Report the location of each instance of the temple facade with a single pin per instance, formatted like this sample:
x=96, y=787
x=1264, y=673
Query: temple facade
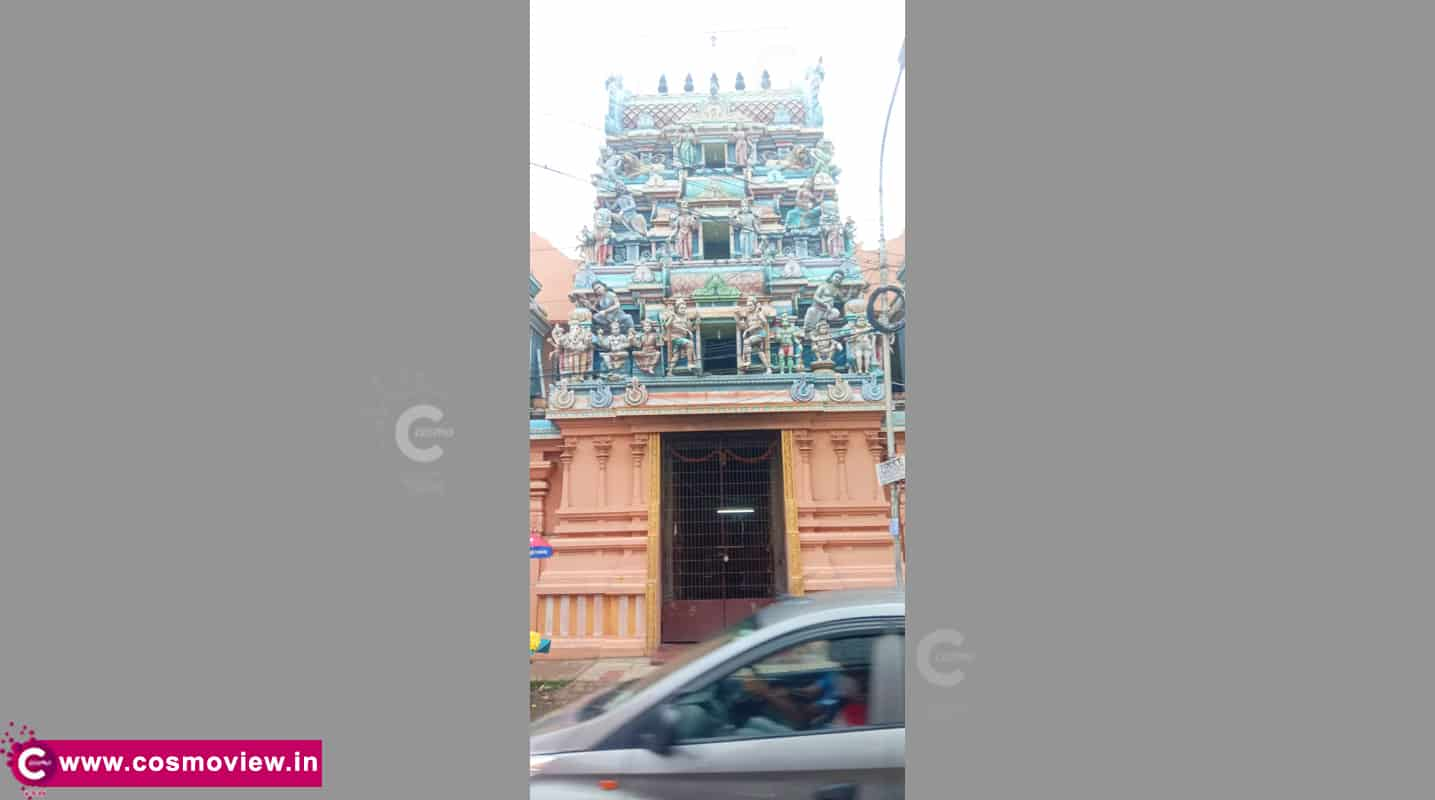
x=709, y=416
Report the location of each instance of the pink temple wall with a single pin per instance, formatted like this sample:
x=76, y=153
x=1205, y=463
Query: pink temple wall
x=589, y=496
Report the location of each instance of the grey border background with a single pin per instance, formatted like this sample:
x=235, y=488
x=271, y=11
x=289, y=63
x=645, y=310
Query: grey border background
x=1170, y=489
x=222, y=224
x=1170, y=466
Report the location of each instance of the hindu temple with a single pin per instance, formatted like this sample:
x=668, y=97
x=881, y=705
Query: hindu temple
x=708, y=406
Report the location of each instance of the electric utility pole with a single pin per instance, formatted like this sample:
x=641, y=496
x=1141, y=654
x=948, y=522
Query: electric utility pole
x=888, y=350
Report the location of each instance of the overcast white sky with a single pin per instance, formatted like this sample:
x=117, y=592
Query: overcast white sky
x=575, y=44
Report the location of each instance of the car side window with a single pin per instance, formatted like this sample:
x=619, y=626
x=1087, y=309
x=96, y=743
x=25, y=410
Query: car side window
x=816, y=685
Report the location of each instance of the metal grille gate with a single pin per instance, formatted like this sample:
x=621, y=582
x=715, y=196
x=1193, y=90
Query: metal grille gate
x=720, y=566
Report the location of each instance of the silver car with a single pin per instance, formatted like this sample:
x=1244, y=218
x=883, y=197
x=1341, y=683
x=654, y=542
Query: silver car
x=804, y=700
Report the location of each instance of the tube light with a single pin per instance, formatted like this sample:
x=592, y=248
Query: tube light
x=734, y=511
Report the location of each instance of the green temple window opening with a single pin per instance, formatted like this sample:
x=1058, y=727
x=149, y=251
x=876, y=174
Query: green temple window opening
x=714, y=155
x=717, y=240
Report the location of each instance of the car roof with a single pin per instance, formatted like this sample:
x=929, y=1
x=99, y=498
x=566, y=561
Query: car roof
x=834, y=603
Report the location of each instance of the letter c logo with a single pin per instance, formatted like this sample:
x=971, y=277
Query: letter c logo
x=404, y=436
x=22, y=763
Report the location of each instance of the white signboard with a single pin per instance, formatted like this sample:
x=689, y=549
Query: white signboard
x=892, y=471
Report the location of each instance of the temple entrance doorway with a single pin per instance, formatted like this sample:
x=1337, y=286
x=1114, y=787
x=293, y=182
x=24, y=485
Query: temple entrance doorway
x=722, y=530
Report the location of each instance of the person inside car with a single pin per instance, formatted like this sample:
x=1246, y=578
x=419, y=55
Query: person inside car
x=801, y=708
x=852, y=688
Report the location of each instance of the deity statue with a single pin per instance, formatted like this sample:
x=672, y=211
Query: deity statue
x=862, y=347
x=617, y=99
x=680, y=334
x=615, y=354
x=628, y=213
x=581, y=314
x=746, y=150
x=849, y=237
x=584, y=277
x=753, y=328
x=808, y=202
x=827, y=303
x=684, y=227
x=789, y=345
x=585, y=245
x=745, y=221
x=608, y=315
x=632, y=166
x=602, y=228
x=558, y=337
x=821, y=158
x=799, y=159
x=643, y=273
x=814, y=103
x=832, y=235
x=824, y=346
x=609, y=164
x=689, y=154
x=578, y=351
x=647, y=344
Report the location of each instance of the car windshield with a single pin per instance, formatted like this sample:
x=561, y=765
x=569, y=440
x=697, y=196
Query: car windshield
x=625, y=691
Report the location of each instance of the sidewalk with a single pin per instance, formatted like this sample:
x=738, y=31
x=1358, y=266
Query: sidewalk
x=553, y=684
x=598, y=671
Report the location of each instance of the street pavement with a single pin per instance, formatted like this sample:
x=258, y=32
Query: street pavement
x=599, y=672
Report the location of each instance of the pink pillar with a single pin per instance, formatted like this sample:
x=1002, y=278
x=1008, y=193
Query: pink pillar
x=566, y=458
x=804, y=447
x=839, y=447
x=638, y=447
x=601, y=447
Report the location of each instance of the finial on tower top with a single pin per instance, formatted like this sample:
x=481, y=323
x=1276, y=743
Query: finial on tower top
x=766, y=80
x=740, y=84
x=663, y=84
x=688, y=83
x=713, y=85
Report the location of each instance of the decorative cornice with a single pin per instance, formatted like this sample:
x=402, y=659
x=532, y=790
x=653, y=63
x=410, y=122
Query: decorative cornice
x=735, y=408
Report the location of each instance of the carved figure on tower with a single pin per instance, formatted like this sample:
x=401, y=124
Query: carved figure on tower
x=815, y=77
x=824, y=346
x=684, y=227
x=805, y=214
x=862, y=347
x=832, y=235
x=648, y=345
x=680, y=335
x=688, y=153
x=756, y=336
x=827, y=302
x=602, y=229
x=628, y=213
x=617, y=100
x=615, y=354
x=745, y=222
x=608, y=315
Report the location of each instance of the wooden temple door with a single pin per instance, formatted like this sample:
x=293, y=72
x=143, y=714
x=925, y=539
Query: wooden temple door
x=721, y=519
